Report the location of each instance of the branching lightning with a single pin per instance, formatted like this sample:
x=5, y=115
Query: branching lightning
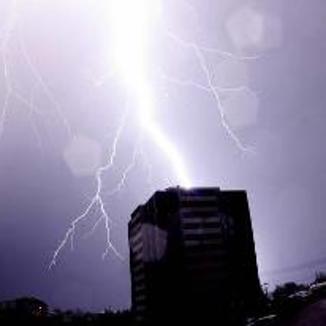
x=130, y=33
x=199, y=52
x=130, y=23
x=97, y=202
x=5, y=39
x=11, y=92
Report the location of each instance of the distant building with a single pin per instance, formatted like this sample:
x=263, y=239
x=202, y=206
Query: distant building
x=26, y=307
x=192, y=257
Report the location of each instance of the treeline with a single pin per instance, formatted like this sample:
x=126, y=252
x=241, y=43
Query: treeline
x=287, y=299
x=283, y=301
x=32, y=311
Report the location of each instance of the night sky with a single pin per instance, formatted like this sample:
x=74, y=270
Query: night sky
x=62, y=103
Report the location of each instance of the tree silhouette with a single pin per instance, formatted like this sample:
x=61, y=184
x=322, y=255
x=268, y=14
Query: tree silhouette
x=320, y=277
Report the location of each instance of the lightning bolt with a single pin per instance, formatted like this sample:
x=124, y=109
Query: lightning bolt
x=130, y=23
x=97, y=202
x=11, y=91
x=215, y=91
x=6, y=33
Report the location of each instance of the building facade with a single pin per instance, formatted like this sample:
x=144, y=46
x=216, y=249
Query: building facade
x=192, y=257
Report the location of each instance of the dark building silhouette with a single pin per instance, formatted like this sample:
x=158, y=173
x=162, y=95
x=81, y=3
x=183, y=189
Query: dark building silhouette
x=24, y=307
x=192, y=258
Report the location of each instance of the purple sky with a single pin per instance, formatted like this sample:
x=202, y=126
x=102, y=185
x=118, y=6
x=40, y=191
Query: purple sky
x=66, y=103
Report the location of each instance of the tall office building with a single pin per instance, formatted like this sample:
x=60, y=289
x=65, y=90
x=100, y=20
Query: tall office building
x=192, y=257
